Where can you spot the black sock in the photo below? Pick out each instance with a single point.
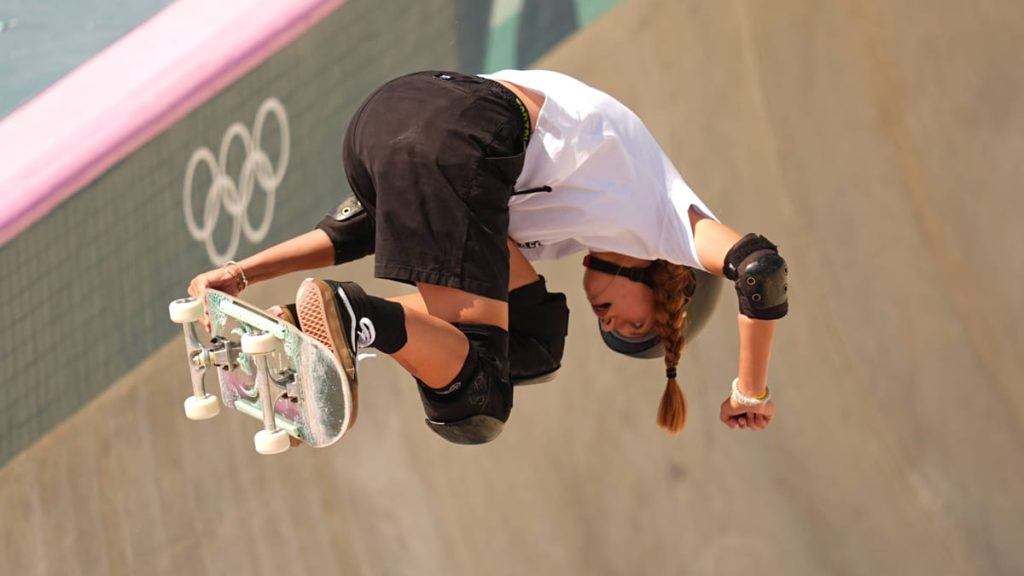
(388, 318)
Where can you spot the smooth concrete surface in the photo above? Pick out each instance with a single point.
(878, 143)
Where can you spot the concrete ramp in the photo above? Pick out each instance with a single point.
(878, 143)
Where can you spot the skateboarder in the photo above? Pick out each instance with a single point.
(445, 169)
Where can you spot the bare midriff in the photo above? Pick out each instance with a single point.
(531, 99)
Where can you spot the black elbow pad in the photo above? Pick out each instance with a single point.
(761, 277)
(351, 231)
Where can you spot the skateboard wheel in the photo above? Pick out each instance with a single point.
(258, 343)
(268, 442)
(201, 408)
(186, 310)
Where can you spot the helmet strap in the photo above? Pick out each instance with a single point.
(640, 275)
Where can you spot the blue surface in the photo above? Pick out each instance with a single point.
(43, 40)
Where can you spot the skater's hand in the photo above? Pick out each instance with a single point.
(219, 279)
(736, 415)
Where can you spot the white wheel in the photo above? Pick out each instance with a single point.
(268, 442)
(258, 343)
(201, 408)
(186, 310)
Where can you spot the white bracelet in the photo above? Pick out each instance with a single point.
(739, 398)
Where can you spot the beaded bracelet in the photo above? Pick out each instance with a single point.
(739, 398)
(241, 282)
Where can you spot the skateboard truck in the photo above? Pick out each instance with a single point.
(270, 440)
(201, 405)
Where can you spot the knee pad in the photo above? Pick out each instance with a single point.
(538, 325)
(474, 411)
(761, 277)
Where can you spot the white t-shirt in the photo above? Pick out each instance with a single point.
(613, 188)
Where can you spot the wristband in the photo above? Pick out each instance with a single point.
(739, 398)
(241, 282)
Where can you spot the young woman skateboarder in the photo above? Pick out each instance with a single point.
(459, 181)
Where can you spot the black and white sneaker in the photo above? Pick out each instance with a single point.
(327, 312)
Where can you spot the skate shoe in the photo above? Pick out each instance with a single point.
(287, 312)
(326, 312)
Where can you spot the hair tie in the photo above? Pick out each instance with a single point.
(670, 373)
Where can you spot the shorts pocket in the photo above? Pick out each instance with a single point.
(504, 168)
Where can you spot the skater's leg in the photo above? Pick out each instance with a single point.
(436, 350)
(428, 345)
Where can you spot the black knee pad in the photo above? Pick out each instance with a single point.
(475, 410)
(538, 325)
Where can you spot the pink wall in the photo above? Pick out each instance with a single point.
(108, 107)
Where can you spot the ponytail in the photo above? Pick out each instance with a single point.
(671, 283)
(672, 410)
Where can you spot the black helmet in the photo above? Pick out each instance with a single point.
(701, 299)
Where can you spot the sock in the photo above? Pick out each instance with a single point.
(388, 318)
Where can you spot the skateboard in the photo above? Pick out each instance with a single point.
(268, 369)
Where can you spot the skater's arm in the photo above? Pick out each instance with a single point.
(713, 241)
(306, 252)
(310, 250)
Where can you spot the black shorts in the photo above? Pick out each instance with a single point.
(434, 157)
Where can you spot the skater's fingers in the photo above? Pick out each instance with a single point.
(198, 286)
(729, 420)
(760, 422)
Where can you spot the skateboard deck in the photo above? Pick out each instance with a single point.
(266, 368)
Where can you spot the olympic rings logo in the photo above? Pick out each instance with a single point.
(234, 198)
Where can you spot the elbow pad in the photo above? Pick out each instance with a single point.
(538, 324)
(351, 231)
(761, 277)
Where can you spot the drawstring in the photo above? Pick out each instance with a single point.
(532, 190)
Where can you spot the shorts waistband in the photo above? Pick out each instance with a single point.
(517, 106)
(500, 90)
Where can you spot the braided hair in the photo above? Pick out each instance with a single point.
(673, 284)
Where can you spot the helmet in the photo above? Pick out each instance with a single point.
(699, 305)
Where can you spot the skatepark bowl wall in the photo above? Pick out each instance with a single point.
(93, 269)
(878, 143)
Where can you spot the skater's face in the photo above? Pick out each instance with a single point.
(622, 305)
